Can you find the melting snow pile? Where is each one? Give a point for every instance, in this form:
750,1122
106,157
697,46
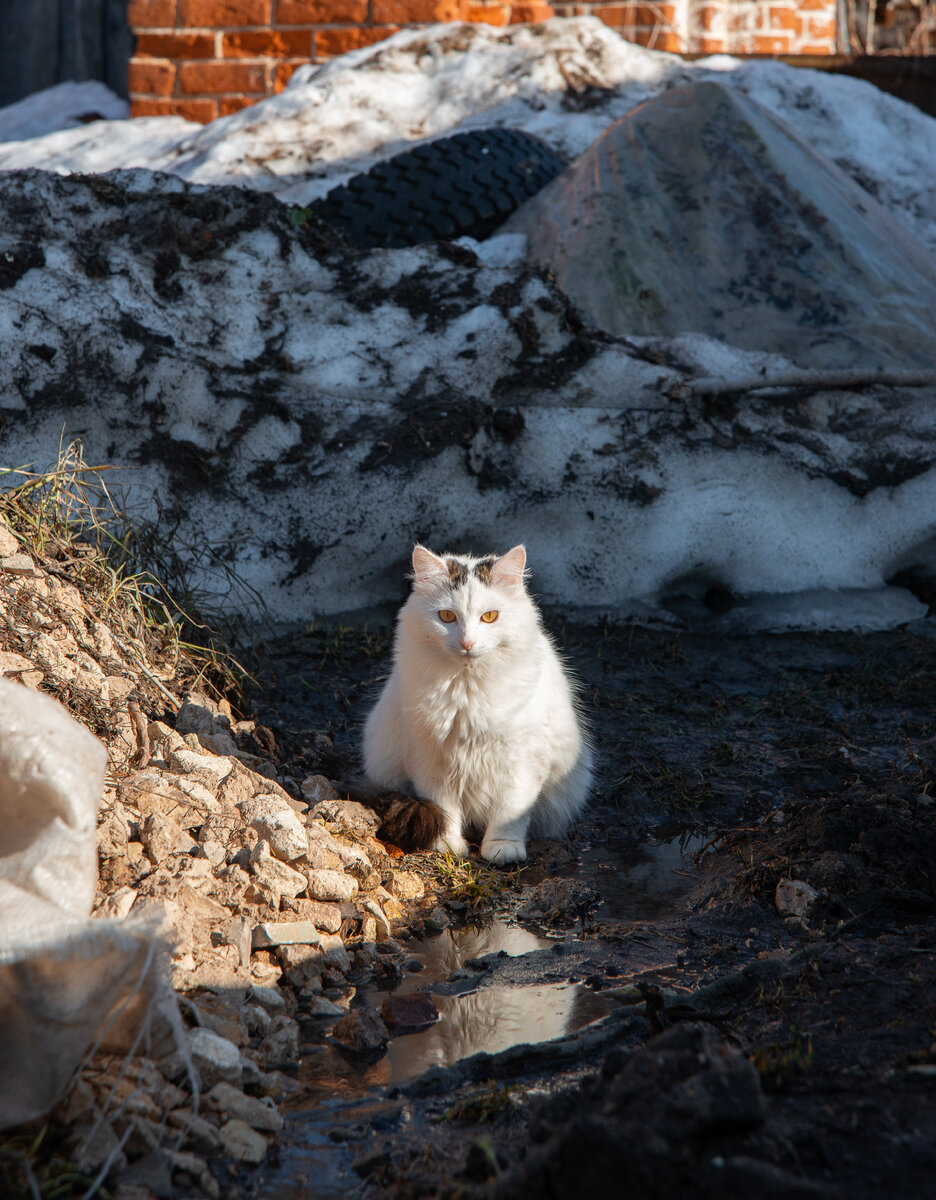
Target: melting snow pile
307,410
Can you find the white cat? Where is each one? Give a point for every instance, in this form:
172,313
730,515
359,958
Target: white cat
478,714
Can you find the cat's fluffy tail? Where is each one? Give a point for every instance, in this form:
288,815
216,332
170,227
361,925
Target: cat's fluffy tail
407,821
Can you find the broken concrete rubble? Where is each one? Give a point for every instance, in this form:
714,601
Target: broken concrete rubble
187,846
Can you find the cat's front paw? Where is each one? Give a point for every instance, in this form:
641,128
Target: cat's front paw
452,843
503,851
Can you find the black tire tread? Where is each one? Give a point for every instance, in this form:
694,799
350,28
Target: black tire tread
466,184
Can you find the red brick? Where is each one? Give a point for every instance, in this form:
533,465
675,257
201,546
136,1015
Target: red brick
143,106
706,18
815,6
823,49
530,14
671,42
220,14
631,15
151,76
488,14
274,43
192,110
176,45
331,42
785,17
233,104
711,45
151,14
320,12
196,110
222,75
283,72
415,12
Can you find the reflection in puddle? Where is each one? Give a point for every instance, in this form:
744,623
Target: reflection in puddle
448,951
647,882
491,1019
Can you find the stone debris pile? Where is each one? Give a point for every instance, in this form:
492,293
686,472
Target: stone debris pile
273,894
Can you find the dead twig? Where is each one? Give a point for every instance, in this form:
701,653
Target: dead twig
832,380
141,755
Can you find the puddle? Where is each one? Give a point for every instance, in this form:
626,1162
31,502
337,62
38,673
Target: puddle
644,883
492,1019
486,1018
647,882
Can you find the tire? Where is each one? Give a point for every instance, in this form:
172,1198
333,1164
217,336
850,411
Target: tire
466,184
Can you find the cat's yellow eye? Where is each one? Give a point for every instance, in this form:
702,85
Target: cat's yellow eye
489,617
447,616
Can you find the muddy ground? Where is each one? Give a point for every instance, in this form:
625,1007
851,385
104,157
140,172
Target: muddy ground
755,1053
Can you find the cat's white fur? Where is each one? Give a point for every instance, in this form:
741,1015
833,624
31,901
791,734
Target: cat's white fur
491,732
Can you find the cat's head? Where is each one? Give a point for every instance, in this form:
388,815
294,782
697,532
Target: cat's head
469,607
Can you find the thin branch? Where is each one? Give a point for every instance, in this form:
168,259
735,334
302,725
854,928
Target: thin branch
851,379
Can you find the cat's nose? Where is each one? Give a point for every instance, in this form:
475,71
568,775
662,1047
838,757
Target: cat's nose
465,644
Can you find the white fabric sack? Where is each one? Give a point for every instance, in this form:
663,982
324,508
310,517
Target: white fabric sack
67,983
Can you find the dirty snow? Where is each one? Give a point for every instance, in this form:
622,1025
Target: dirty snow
565,81
286,385
64,106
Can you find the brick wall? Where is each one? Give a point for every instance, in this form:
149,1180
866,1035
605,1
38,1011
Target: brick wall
206,58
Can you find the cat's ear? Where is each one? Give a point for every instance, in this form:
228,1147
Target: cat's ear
509,568
427,565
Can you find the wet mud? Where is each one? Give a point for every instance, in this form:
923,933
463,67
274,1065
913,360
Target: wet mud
633,1005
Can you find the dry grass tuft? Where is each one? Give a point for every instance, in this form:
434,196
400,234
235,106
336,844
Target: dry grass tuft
127,573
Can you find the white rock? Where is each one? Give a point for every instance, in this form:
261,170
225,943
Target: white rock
213,851
270,997
276,874
262,805
18,564
334,953
320,1007
215,1058
198,794
242,1142
382,925
162,837
794,898
285,933
283,832
316,788
331,885
259,1114
118,904
281,1045
406,886
12,664
186,762
8,543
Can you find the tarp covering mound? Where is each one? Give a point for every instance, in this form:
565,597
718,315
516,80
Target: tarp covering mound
702,210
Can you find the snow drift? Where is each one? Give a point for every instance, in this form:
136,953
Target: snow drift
305,411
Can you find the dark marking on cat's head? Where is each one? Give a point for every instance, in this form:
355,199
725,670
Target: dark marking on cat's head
484,568
458,572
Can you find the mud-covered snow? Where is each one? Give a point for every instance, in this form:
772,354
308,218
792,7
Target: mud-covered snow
303,412
564,81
